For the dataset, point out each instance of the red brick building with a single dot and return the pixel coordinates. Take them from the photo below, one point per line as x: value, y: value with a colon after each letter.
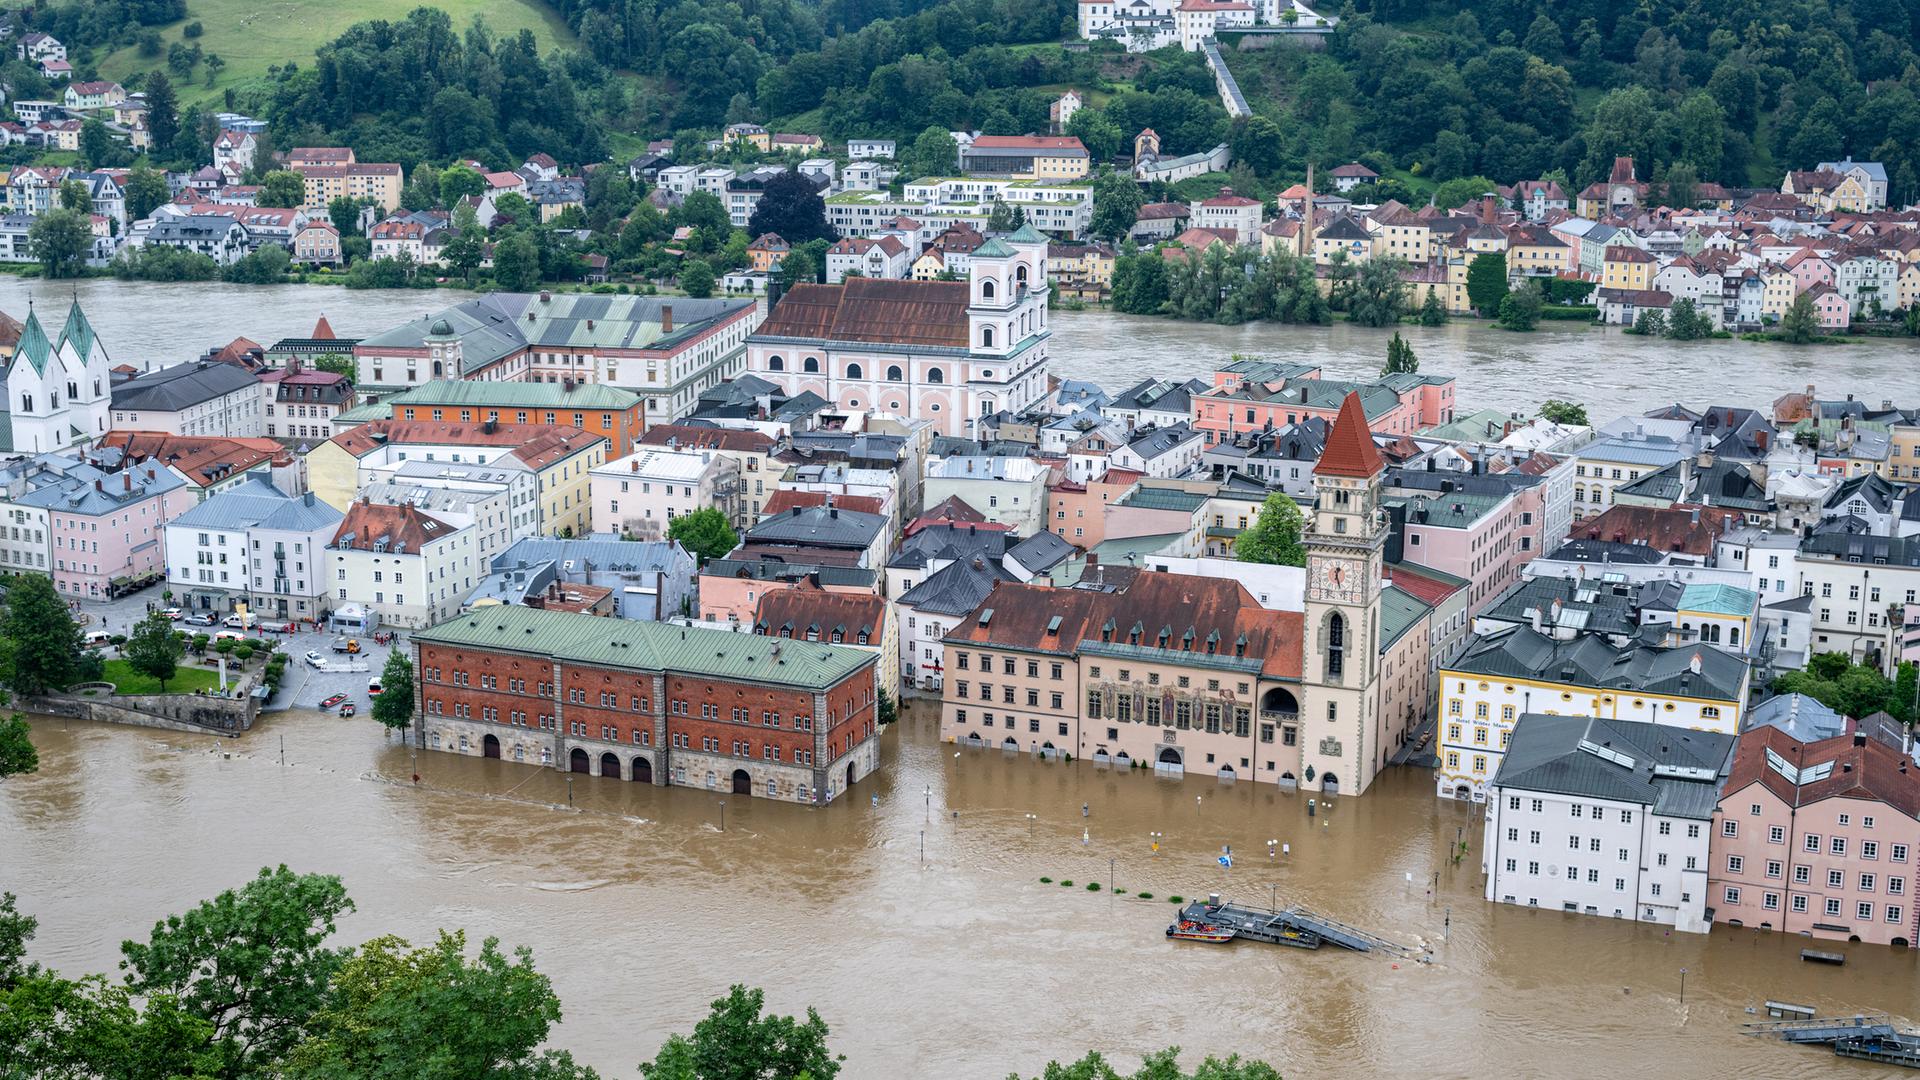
x: 650, y: 702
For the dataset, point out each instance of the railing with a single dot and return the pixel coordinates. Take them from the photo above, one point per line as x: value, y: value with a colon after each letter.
x: 1279, y: 716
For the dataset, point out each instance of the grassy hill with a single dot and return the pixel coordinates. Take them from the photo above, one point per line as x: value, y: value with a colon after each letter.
x: 252, y: 34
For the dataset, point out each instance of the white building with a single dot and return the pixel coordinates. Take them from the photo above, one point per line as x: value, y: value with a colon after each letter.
x: 867, y: 149
x: 408, y: 567
x: 884, y: 257
x: 202, y: 397
x: 499, y: 501
x: 253, y: 544
x: 1605, y: 817
x: 640, y: 494
x: 25, y: 539
x: 941, y: 351
x: 57, y: 388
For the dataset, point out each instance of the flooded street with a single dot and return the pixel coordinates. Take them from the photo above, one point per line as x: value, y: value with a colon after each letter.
x: 1611, y: 372
x: 642, y: 909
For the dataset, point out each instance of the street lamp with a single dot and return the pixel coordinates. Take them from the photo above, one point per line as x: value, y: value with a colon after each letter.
x: 1030, y: 818
x: 1153, y: 838
x: 1683, y: 986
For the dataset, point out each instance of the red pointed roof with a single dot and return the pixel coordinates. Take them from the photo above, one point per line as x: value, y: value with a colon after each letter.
x: 323, y: 330
x: 1350, y: 450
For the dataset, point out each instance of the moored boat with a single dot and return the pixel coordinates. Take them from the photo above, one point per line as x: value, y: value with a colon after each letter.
x: 1191, y: 930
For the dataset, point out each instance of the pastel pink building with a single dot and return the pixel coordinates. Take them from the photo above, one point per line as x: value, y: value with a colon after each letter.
x: 1818, y: 839
x: 1254, y: 395
x: 107, y: 525
x: 730, y: 592
x: 1485, y: 539
x: 1831, y: 307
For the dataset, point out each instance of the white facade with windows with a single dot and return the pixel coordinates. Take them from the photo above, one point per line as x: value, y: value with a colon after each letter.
x: 1605, y: 818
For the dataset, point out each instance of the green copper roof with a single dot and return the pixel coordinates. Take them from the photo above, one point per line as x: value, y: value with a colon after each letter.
x: 33, y: 343
x: 650, y: 646
x: 78, y: 331
x: 1026, y: 234
x: 993, y: 249
x: 1399, y: 611
x: 1718, y: 600
x: 518, y: 395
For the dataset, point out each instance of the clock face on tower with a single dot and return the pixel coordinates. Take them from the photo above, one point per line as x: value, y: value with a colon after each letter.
x: 1333, y: 581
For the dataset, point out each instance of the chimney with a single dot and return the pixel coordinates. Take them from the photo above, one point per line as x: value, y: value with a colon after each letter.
x: 97, y: 486
x: 1693, y: 665
x: 126, y: 482
x: 546, y: 297
x: 1536, y: 617
x: 666, y: 318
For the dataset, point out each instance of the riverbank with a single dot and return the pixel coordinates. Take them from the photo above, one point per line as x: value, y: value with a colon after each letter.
x: 833, y: 906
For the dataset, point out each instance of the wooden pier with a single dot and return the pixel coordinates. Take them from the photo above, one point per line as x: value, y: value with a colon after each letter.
x: 1867, y: 1036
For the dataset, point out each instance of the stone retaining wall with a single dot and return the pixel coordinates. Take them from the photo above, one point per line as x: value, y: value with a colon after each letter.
x: 172, y: 712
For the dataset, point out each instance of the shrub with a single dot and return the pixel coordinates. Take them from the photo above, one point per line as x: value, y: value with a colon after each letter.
x: 1067, y: 884
x: 1176, y: 899
x: 1046, y: 881
x: 1144, y: 895
x: 1119, y: 892
x: 1093, y: 886
x: 243, y: 652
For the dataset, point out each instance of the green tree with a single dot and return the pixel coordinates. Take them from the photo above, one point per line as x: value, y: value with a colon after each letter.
x: 264, y: 265
x: 146, y: 189
x: 1651, y: 322
x: 1116, y: 205
x: 644, y: 226
x: 1432, y: 311
x: 1400, y: 358
x: 1162, y: 1065
x: 17, y: 756
x: 394, y: 705
x: 1520, y: 309
x: 344, y: 212
x: 1378, y: 295
x: 705, y: 532
x: 1487, y: 282
x: 1000, y: 219
x: 1274, y: 537
x: 516, y: 263
x: 395, y: 1012
x: 153, y: 649
x: 458, y: 182
x: 792, y: 207
x: 1140, y: 283
x: 252, y: 962
x: 798, y: 267
x: 75, y: 196
x: 1097, y: 132
x: 45, y: 641
x: 97, y: 147
x: 736, y: 1042
x: 696, y: 278
x: 1800, y: 324
x: 59, y: 241
x: 15, y: 929
x: 339, y: 364
x: 1564, y: 412
x: 163, y: 117
x: 702, y: 210
x: 1686, y: 323
x: 465, y: 250
x: 282, y: 188
x: 932, y: 153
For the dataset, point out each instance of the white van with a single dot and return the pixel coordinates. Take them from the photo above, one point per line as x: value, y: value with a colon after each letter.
x: 373, y: 687
x: 95, y: 639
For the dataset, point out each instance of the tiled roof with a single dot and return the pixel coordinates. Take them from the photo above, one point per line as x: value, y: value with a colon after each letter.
x: 785, y: 500
x: 1350, y: 450
x: 1865, y: 770
x: 702, y: 437
x: 929, y: 313
x: 398, y: 529
x: 256, y: 503
x: 811, y: 613
x: 535, y: 444
x: 819, y: 526
x: 1689, y: 529
x: 485, y: 393
x: 1591, y: 661
x: 204, y: 459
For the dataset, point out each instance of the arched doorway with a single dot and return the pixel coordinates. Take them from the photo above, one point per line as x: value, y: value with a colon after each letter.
x: 974, y: 739
x: 1170, y: 763
x: 1009, y: 744
x: 1123, y: 760
x: 490, y: 746
x: 642, y: 771
x: 742, y: 783
x: 578, y: 761
x: 610, y: 765
x: 1463, y: 792
x: 850, y: 776
x: 1330, y: 783
x: 1227, y: 774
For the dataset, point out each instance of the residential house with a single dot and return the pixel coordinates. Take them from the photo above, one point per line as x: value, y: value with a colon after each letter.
x: 407, y: 568
x: 198, y: 398
x: 253, y: 544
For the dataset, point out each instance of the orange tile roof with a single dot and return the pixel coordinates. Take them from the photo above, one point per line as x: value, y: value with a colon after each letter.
x: 1350, y: 450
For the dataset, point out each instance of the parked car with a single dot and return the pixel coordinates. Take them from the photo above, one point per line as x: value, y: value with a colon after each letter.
x: 314, y: 659
x: 203, y: 618
x: 373, y: 687
x: 96, y: 639
x: 346, y: 645
x: 173, y: 613
x: 230, y: 635
x: 237, y: 622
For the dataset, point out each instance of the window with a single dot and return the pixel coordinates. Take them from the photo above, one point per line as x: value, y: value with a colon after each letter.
x: 1898, y: 852
x: 1729, y: 827
x: 1867, y: 882
x: 1799, y: 903
x: 1773, y: 868
x: 1863, y: 911
x: 1836, y: 879
x: 1735, y: 864
x: 1777, y: 834
x: 1813, y: 843
x: 1837, y: 845
x: 1732, y: 894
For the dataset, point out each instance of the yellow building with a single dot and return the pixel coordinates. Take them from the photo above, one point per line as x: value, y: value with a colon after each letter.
x: 325, y: 183
x: 1627, y: 267
x: 1026, y: 157
x: 558, y: 456
x: 1695, y: 687
x: 1779, y: 293
x: 1342, y: 235
x: 1401, y: 235
x: 752, y: 134
x: 1909, y: 284
x: 1536, y: 252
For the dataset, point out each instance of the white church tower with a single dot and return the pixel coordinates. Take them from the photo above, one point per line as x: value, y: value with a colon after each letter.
x: 59, y: 391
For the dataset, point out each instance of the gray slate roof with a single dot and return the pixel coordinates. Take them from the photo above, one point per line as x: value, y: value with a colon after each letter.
x: 956, y: 589
x: 1589, y: 660
x: 1672, y: 771
x: 824, y: 526
x: 182, y: 386
x: 256, y: 503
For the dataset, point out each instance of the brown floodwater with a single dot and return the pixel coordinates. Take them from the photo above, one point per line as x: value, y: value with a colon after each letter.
x: 960, y: 964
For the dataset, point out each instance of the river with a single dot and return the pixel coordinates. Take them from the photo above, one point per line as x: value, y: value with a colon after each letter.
x: 1611, y: 372
x: 965, y: 965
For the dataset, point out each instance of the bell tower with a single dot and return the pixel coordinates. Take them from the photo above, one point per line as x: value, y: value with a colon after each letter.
x: 1340, y: 666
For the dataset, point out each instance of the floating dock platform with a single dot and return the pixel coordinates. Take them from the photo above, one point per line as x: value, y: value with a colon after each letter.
x: 1296, y: 927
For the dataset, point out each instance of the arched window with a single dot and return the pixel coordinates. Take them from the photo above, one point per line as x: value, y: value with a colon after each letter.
x: 986, y: 337
x: 853, y: 371
x: 935, y: 375
x: 776, y: 363
x: 1020, y: 274
x: 893, y: 373
x: 1336, y: 646
x: 986, y: 289
x: 26, y: 402
x: 437, y: 367
x: 810, y: 365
